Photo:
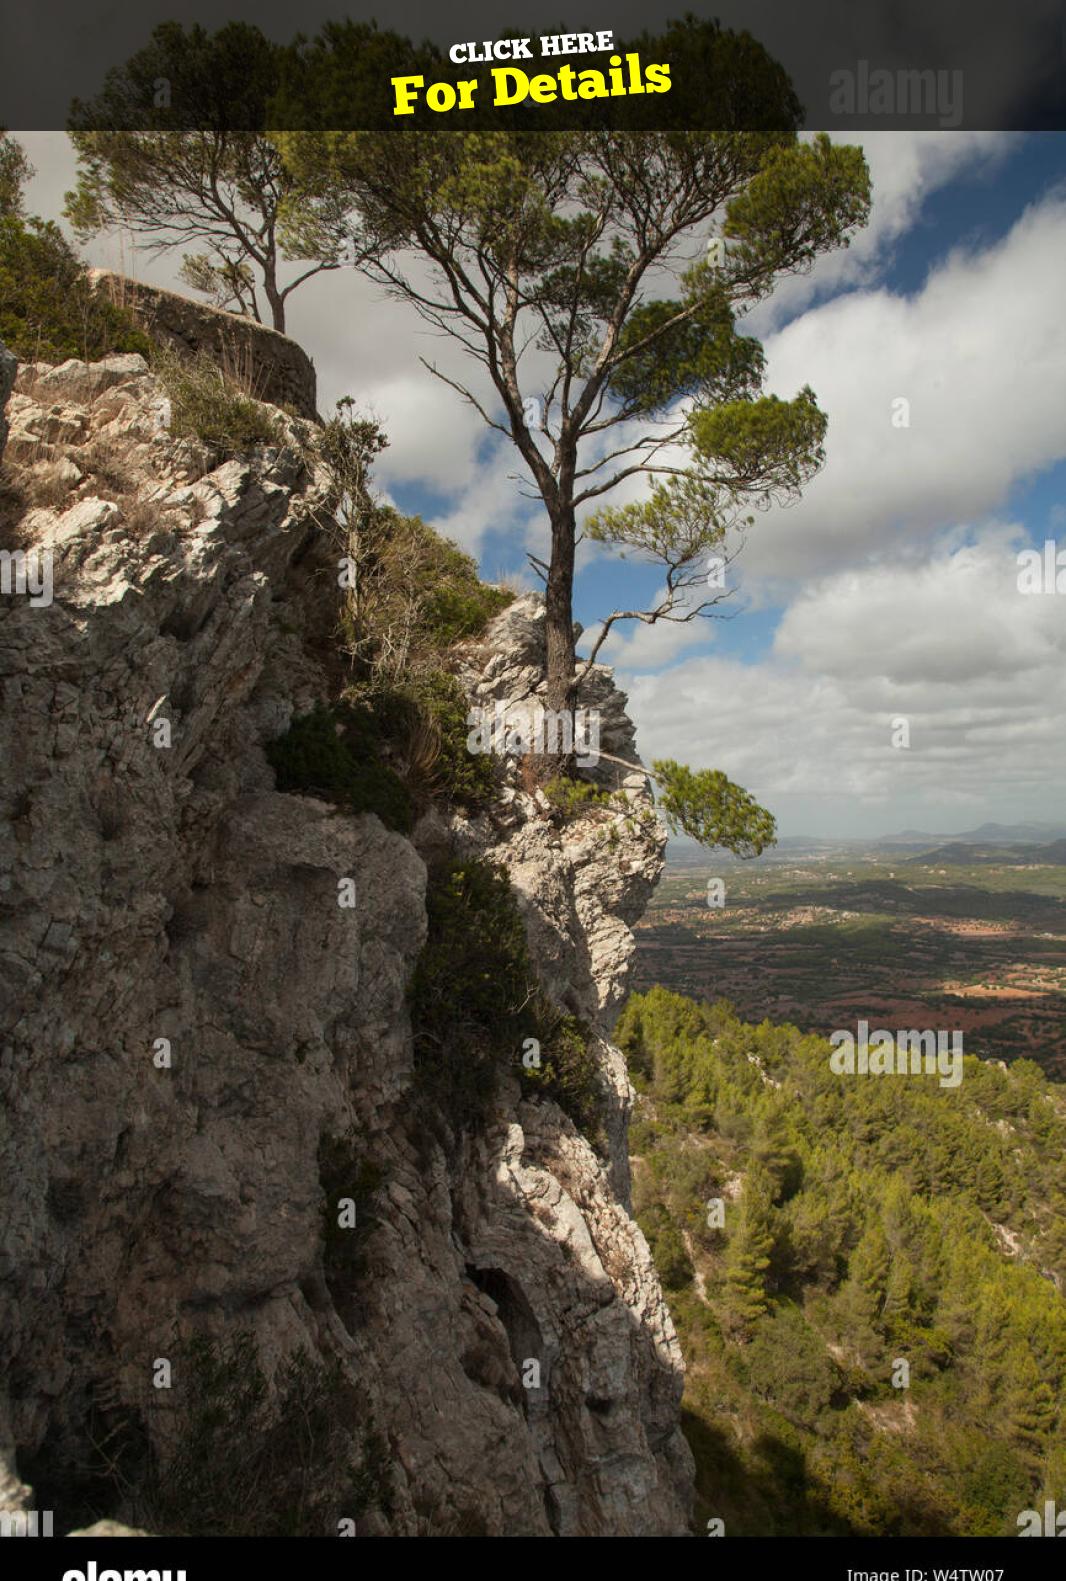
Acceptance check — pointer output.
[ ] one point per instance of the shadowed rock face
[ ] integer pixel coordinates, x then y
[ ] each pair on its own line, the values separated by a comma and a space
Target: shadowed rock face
168, 892
276, 369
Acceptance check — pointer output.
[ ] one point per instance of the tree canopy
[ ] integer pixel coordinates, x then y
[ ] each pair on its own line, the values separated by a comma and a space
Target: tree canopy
864, 1223
174, 150
545, 257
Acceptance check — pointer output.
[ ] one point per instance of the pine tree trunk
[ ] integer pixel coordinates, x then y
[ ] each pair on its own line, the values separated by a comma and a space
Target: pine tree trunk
559, 612
274, 297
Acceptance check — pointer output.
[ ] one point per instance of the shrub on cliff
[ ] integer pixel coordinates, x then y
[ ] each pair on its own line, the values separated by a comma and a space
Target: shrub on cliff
409, 593
475, 1001
569, 1074
572, 797
48, 308
473, 990
424, 720
409, 596
336, 754
208, 404
251, 1460
459, 605
346, 1175
389, 751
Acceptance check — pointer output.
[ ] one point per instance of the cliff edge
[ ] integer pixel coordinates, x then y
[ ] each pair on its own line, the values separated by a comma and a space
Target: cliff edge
199, 1045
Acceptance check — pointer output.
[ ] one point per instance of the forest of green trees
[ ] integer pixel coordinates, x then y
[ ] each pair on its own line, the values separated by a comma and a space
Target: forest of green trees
865, 1274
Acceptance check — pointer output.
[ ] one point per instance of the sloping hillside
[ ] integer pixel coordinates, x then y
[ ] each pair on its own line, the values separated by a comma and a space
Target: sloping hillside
815, 1233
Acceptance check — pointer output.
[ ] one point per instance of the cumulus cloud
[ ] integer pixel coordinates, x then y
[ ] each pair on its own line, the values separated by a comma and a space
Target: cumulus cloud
947, 643
906, 169
979, 355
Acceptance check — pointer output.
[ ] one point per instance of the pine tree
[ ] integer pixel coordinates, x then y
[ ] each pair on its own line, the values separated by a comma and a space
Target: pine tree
896, 1311
749, 1254
775, 1151
1030, 1409
990, 1184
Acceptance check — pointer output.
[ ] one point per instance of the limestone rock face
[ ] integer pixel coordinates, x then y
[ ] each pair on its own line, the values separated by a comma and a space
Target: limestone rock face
582, 882
191, 1015
278, 370
108, 1529
585, 883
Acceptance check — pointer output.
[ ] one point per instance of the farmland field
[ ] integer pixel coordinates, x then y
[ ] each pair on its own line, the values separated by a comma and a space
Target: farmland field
901, 940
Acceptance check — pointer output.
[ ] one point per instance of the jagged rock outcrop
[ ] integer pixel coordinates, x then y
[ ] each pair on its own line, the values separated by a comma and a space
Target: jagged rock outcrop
581, 886
108, 1529
275, 368
187, 1014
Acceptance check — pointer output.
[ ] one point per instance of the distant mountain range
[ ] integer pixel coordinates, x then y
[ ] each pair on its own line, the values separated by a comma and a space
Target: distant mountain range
989, 842
985, 834
960, 851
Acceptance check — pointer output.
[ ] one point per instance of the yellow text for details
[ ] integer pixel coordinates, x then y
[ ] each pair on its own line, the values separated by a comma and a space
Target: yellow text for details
511, 85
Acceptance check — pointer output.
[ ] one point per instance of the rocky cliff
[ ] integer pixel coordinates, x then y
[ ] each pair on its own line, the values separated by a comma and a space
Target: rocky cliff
275, 368
191, 1026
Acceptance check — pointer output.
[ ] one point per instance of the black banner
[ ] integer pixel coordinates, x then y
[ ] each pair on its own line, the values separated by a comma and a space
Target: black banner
827, 1559
952, 65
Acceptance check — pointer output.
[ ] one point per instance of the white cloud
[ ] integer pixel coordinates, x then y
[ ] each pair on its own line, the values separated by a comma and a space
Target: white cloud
980, 355
495, 499
951, 620
906, 169
949, 643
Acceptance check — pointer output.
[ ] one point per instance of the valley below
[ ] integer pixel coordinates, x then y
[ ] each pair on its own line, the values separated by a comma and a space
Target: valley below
970, 938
